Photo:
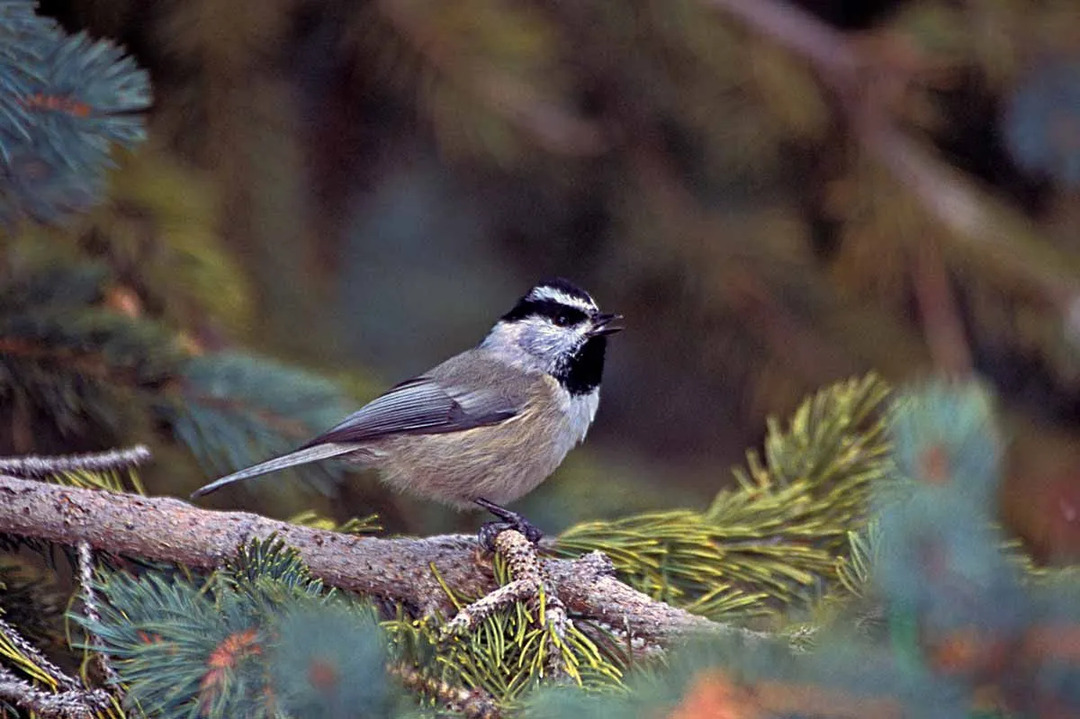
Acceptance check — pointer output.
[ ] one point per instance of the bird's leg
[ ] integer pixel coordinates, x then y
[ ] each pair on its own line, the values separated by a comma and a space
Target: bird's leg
507, 520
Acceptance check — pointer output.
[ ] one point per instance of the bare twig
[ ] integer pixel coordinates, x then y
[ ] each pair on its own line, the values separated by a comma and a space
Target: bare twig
471, 703
115, 459
90, 607
528, 583
31, 652
518, 590
75, 703
398, 569
72, 699
942, 324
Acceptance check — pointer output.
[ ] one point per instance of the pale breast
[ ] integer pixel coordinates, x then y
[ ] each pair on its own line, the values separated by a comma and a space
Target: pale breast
500, 462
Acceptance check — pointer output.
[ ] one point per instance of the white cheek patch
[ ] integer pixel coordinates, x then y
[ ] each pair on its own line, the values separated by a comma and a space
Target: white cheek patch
556, 340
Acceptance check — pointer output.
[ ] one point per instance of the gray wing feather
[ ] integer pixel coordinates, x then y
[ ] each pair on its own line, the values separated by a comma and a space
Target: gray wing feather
464, 392
426, 405
300, 456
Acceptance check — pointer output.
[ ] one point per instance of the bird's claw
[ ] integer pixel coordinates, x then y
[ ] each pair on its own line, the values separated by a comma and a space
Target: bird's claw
507, 520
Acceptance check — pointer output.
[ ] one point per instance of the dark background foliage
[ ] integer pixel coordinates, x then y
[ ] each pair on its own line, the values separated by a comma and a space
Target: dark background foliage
360, 188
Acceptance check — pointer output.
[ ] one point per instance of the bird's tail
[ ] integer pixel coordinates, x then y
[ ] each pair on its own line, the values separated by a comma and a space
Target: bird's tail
300, 456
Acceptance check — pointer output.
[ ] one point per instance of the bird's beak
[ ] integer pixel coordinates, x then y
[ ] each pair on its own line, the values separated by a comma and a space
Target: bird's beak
606, 325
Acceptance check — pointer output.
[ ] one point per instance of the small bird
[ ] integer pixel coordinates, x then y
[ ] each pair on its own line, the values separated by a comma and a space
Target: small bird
488, 425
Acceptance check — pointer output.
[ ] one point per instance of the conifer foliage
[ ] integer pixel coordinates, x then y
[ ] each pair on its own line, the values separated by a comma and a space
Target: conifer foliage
98, 344
969, 630
965, 626
64, 100
864, 534
260, 638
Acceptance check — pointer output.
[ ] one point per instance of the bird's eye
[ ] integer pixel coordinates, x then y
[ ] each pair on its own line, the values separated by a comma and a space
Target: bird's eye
563, 319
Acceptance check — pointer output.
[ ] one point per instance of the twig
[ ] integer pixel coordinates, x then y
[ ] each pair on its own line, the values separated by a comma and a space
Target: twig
75, 703
519, 590
36, 467
73, 700
529, 584
31, 652
398, 569
526, 582
472, 703
90, 607
942, 324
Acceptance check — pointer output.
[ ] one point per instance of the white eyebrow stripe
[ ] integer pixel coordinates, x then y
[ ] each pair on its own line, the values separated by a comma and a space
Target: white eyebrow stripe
556, 295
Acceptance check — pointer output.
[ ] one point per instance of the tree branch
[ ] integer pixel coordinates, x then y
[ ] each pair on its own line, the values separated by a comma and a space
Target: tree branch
33, 466
74, 703
69, 699
399, 570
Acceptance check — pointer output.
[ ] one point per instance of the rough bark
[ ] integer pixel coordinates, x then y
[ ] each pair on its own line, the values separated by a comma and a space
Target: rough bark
399, 570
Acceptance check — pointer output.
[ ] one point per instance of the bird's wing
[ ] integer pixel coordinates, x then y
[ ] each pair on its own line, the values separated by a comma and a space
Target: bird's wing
472, 389
424, 405
459, 394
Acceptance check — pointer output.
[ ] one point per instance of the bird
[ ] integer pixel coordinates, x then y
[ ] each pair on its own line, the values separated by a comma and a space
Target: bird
488, 425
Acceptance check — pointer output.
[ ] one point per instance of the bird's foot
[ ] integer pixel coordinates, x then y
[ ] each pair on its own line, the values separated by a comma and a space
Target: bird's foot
507, 520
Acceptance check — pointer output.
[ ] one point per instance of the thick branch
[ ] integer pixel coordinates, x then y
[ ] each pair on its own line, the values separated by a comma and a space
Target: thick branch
400, 570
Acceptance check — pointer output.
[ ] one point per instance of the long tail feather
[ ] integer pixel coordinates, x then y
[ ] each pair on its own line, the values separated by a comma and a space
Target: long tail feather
300, 456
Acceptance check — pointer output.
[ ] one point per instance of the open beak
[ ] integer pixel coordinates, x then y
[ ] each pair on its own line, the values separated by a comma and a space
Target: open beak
606, 325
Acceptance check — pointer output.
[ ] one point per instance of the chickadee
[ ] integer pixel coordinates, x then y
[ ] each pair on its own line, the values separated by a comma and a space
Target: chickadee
486, 426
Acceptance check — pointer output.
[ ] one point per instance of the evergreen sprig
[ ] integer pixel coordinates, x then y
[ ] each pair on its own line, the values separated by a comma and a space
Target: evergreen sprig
964, 634
257, 638
765, 681
64, 100
236, 409
329, 663
774, 540
72, 363
508, 654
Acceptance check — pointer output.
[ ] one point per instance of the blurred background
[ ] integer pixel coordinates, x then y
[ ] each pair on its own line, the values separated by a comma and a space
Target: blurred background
775, 195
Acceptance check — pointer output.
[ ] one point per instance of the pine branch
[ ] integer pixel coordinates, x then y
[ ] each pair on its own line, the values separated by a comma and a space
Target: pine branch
64, 100
773, 541
92, 372
70, 703
90, 607
398, 570
232, 410
38, 467
48, 671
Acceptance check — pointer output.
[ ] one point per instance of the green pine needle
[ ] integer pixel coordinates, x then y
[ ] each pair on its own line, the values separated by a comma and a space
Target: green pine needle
508, 654
773, 541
